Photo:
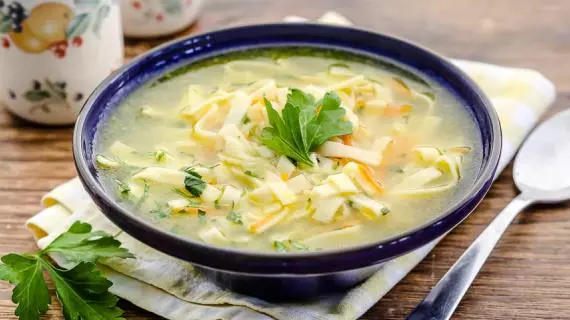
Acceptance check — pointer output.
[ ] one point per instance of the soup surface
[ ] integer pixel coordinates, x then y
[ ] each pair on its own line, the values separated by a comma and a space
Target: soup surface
288, 150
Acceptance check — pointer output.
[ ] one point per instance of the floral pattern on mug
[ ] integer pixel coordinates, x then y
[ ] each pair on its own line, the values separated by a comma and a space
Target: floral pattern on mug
47, 96
50, 25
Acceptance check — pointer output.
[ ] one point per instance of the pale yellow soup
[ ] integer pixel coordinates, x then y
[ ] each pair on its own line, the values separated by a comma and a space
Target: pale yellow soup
187, 152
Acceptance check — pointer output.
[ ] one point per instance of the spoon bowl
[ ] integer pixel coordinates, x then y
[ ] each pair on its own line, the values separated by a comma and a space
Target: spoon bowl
542, 167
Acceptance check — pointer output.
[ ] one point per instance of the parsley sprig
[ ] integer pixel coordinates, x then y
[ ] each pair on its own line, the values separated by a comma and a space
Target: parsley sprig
304, 124
82, 290
193, 182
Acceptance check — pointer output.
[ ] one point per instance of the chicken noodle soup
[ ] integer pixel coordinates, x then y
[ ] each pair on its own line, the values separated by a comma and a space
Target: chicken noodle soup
288, 150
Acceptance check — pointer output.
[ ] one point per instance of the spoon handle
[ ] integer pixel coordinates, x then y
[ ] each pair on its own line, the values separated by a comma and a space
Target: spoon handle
442, 300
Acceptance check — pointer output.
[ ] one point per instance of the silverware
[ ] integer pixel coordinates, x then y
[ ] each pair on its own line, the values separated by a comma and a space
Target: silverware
542, 174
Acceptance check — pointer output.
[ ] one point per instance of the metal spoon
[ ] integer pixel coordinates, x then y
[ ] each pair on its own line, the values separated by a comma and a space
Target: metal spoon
542, 174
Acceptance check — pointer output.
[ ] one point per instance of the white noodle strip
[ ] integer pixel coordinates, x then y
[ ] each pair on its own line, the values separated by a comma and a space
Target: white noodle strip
160, 175
274, 220
419, 179
193, 97
339, 150
347, 84
198, 112
267, 88
325, 209
239, 104
204, 135
426, 156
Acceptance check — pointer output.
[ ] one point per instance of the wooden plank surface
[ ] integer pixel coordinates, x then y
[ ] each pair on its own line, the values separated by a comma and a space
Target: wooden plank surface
528, 275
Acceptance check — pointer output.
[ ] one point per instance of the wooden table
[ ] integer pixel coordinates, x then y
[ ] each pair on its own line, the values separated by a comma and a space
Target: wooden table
528, 275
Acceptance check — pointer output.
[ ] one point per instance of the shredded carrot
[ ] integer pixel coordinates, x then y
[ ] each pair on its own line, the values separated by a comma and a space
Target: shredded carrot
346, 139
343, 161
394, 110
254, 227
367, 173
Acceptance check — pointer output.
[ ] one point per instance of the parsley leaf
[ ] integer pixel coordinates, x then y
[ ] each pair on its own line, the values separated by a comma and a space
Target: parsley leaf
143, 197
160, 210
124, 188
31, 293
251, 174
159, 155
329, 122
279, 246
234, 217
79, 244
304, 124
288, 245
202, 216
297, 245
8, 274
82, 290
194, 183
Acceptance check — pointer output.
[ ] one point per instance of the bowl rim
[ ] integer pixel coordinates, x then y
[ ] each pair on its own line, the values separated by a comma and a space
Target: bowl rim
273, 263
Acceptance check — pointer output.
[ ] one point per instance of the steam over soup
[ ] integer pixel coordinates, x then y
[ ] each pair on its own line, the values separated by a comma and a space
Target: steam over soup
288, 150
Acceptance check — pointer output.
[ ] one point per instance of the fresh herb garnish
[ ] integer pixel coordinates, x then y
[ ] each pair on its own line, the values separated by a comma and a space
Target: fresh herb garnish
191, 199
193, 182
217, 204
202, 216
251, 174
159, 155
234, 217
350, 203
124, 188
297, 245
160, 210
82, 290
191, 170
279, 246
288, 245
304, 124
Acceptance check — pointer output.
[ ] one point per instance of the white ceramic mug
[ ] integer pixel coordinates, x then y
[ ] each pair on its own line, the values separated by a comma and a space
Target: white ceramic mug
53, 53
154, 18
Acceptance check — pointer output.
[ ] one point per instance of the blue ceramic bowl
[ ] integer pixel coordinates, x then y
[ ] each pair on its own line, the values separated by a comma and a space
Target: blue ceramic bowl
278, 275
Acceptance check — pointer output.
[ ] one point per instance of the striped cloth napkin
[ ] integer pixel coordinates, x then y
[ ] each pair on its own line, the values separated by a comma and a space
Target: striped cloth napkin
172, 289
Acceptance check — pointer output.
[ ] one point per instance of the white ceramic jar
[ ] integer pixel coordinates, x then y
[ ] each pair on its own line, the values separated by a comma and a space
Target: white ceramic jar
53, 53
155, 18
